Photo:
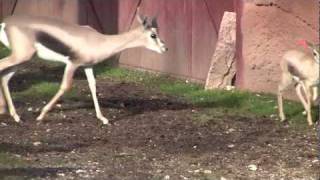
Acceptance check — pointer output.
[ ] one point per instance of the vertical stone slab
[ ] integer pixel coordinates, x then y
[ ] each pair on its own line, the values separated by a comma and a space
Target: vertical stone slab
222, 69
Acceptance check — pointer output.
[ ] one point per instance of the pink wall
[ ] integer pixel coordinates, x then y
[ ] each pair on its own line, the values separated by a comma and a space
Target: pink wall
189, 29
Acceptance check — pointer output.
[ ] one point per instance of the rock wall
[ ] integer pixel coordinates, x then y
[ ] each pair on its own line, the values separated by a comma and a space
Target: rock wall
222, 69
268, 29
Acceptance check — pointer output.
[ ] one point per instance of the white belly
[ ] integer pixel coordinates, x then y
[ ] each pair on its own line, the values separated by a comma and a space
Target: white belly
3, 36
47, 54
42, 51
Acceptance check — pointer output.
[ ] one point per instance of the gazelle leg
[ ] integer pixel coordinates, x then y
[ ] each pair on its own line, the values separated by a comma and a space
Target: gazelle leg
20, 52
5, 97
92, 86
65, 85
306, 102
315, 97
3, 103
285, 82
12, 110
309, 103
302, 99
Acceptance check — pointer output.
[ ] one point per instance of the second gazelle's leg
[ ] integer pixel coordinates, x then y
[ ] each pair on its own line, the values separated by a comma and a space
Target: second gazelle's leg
92, 85
309, 103
315, 96
3, 103
306, 101
6, 93
65, 85
286, 80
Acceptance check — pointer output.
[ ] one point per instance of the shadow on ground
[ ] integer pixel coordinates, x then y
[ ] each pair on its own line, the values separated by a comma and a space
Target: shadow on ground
31, 173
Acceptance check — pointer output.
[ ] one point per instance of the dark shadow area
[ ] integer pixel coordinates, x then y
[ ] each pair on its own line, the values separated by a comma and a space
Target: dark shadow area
32, 172
131, 104
136, 105
63, 147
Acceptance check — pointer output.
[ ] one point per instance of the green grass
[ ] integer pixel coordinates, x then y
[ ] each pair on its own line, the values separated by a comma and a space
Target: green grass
9, 160
213, 101
4, 52
43, 91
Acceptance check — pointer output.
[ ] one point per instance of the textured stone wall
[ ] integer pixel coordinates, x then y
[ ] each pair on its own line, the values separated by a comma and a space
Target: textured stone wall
268, 29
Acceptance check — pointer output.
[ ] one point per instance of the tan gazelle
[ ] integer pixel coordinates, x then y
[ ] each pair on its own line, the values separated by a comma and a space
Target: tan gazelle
76, 46
303, 69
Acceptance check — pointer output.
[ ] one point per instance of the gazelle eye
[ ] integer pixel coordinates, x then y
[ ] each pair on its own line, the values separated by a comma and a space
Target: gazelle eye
153, 36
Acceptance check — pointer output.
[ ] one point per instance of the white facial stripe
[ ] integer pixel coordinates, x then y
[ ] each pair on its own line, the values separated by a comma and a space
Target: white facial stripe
3, 36
47, 54
155, 44
316, 55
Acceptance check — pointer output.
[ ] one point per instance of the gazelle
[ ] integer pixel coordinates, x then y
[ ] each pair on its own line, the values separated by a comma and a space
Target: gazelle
76, 46
303, 69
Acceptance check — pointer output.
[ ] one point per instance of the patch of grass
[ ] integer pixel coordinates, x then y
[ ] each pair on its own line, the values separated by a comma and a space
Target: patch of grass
229, 102
9, 160
123, 74
4, 52
43, 90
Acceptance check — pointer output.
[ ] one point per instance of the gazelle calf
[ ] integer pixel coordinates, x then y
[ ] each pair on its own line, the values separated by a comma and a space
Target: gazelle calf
76, 46
303, 69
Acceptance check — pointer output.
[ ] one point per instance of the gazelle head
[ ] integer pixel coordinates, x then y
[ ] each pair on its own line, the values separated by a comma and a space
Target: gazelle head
151, 39
315, 51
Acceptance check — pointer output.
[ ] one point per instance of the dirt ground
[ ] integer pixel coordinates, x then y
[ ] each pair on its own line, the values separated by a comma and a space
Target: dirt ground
152, 136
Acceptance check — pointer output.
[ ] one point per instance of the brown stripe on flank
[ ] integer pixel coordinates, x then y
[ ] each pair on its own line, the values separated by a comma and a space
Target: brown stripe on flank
295, 72
54, 44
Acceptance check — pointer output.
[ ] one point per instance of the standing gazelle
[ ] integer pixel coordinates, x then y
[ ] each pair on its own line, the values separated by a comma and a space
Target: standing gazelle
76, 46
303, 69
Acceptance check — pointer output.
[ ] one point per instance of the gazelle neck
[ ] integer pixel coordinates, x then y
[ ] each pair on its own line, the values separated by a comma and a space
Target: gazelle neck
114, 44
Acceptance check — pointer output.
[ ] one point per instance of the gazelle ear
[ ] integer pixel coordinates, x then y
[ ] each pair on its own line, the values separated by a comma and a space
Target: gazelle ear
314, 48
303, 43
141, 19
317, 47
154, 22
310, 45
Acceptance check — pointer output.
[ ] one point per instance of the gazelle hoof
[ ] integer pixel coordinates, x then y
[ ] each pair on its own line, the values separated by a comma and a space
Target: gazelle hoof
282, 118
16, 118
104, 120
40, 118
